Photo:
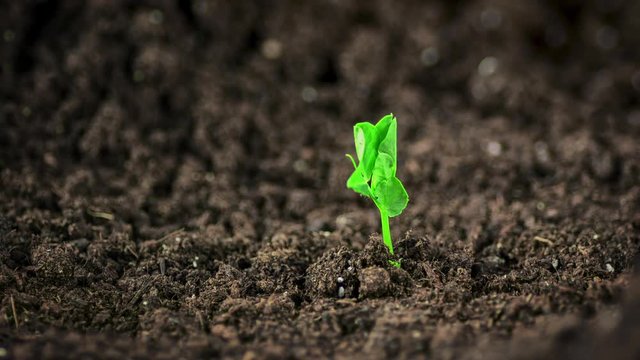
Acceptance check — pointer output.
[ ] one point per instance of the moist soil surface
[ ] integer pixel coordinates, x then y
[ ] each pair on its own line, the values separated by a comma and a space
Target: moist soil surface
172, 179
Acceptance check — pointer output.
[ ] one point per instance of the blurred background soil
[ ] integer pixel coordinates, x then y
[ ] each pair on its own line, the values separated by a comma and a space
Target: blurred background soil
172, 179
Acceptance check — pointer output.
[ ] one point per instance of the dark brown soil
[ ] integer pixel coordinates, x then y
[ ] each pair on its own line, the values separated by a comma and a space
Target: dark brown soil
172, 179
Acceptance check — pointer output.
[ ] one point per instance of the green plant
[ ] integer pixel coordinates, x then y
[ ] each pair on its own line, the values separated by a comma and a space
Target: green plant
375, 174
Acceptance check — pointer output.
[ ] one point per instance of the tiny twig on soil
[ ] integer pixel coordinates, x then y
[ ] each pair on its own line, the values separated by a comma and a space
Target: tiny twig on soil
101, 214
128, 248
163, 265
15, 313
201, 321
543, 240
173, 233
139, 293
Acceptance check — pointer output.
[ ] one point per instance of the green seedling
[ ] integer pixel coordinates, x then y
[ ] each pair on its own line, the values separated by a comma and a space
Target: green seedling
375, 174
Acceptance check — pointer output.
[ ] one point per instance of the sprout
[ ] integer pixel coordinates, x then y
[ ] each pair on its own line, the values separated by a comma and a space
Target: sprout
375, 174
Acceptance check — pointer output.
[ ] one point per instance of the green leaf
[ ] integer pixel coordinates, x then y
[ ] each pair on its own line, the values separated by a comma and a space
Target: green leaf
382, 126
358, 183
391, 196
366, 139
384, 169
389, 142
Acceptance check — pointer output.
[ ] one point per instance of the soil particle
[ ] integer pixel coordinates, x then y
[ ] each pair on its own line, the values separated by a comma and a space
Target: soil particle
374, 282
54, 262
375, 253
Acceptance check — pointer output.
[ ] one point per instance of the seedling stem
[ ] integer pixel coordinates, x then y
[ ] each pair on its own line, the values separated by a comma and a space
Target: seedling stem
386, 232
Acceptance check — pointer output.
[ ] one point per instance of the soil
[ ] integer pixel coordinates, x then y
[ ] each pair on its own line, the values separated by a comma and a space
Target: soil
172, 179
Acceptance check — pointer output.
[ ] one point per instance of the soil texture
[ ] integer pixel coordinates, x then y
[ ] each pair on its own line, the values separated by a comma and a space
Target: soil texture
172, 179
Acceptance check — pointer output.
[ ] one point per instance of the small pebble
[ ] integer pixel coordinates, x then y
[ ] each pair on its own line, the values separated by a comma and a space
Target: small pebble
341, 292
343, 221
494, 148
309, 94
610, 268
272, 49
429, 56
300, 166
340, 280
488, 66
542, 151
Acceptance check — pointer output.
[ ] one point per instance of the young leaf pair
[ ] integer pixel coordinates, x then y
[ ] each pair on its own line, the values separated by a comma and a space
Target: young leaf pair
375, 174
